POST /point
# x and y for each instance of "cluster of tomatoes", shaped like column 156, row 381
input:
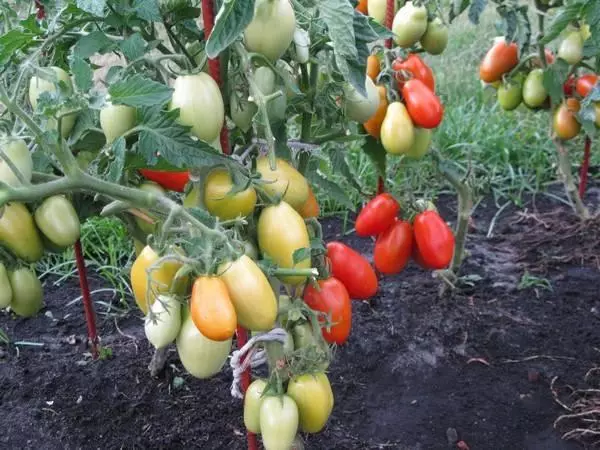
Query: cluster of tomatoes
column 521, row 80
column 25, row 236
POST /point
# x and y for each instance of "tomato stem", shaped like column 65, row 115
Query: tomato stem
column 585, row 165
column 565, row 173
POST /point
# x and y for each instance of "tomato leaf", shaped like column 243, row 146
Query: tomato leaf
column 133, row 47
column 476, row 9
column 117, row 164
column 375, row 151
column 147, row 10
column 300, row 254
column 516, row 25
column 457, row 8
column 162, row 137
column 554, row 77
column 12, row 42
column 94, row 7
column 587, row 117
column 139, row 91
column 561, row 20
column 333, row 189
column 94, row 42
column 92, row 139
column 232, row 19
column 368, row 29
column 340, row 165
column 82, row 73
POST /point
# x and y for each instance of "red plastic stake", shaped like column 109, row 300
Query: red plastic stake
column 41, row 12
column 208, row 15
column 585, row 166
column 88, row 306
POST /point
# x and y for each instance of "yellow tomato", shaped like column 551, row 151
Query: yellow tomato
column 218, row 200
column 284, row 182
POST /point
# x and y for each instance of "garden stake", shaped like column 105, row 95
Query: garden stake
column 88, row 307
column 585, row 166
column 208, row 16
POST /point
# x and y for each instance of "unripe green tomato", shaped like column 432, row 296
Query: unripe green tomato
column 252, row 401
column 510, row 94
column 6, row 293
column 28, row 293
column 534, row 92
column 421, row 144
column 19, row 234
column 571, row 48
column 58, row 221
column 358, row 108
column 313, row 396
column 16, row 150
column 116, row 120
column 276, row 107
column 278, row 422
column 265, row 79
column 435, row 39
column 410, row 24
column 271, row 30
column 242, row 111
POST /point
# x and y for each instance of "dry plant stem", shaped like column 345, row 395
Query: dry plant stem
column 158, row 362
column 565, row 173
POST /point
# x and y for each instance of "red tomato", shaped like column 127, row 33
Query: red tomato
column 424, row 107
column 500, row 59
column 174, row 181
column 352, row 269
column 377, row 215
column 416, row 69
column 434, row 240
column 332, row 298
column 569, row 86
column 586, row 83
column 393, row 248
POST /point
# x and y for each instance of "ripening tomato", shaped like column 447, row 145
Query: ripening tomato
column 571, row 48
column 314, row 398
column 16, row 150
column 173, row 181
column 116, row 120
column 500, row 59
column 353, row 270
column 27, row 292
column 278, row 422
column 251, row 294
column 373, row 125
column 569, row 86
column 363, row 6
column 6, row 293
column 435, row 39
column 564, row 122
column 359, row 108
column 377, row 215
column 285, row 181
column 220, row 202
column 510, row 94
column 586, row 83
column 421, row 144
column 211, row 309
column 393, row 248
column 424, row 107
column 241, row 111
column 434, row 240
column 58, row 221
column 331, row 298
column 416, row 68
column 271, row 30
column 252, row 401
column 373, row 67
column 534, row 92
column 410, row 24
column 281, row 232
column 397, row 130
column 19, row 234
column 310, row 208
column 162, row 328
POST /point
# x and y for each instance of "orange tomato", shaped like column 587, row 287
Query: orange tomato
column 311, row 206
column 373, row 67
column 564, row 122
column 363, row 6
column 211, row 309
column 373, row 125
column 500, row 59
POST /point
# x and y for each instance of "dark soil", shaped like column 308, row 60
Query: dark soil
column 415, row 368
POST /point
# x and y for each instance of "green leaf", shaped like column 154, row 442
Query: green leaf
column 340, row 165
column 333, row 190
column 367, row 29
column 133, row 47
column 476, row 9
column 300, row 255
column 561, row 20
column 82, row 73
column 375, row 151
column 161, row 136
column 12, row 42
column 587, row 117
column 117, row 165
column 139, row 91
column 232, row 19
column 457, row 8
column 94, row 7
column 94, row 42
column 92, row 139
column 338, row 15
column 147, row 10
column 554, row 77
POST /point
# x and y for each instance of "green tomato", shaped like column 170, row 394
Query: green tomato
column 534, row 92
column 200, row 105
column 241, row 111
column 278, row 422
column 116, row 120
column 17, row 152
column 571, row 48
column 252, row 401
column 510, row 94
column 19, row 234
column 421, row 144
column 358, row 108
column 410, row 24
column 314, row 398
column 271, row 30
column 276, row 107
column 27, row 291
column 265, row 79
column 435, row 39
column 6, row 293
column 58, row 221
column 196, row 50
column 165, row 329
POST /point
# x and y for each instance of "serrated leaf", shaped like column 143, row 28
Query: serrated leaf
column 94, row 7
column 92, row 139
column 12, row 42
column 94, row 42
column 300, row 254
column 133, row 47
column 476, row 9
column 587, row 117
column 561, row 20
column 82, row 74
column 377, row 154
column 333, row 190
column 232, row 19
column 367, row 29
column 161, row 136
column 340, row 165
column 338, row 15
column 147, row 10
column 117, row 164
column 139, row 91
column 203, row 216
column 554, row 77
